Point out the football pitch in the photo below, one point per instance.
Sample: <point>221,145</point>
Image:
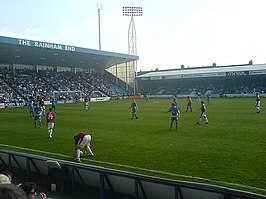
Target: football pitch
<point>229,151</point>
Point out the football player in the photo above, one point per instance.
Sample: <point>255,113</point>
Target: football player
<point>50,117</point>
<point>257,105</point>
<point>174,109</point>
<point>82,140</point>
<point>203,113</point>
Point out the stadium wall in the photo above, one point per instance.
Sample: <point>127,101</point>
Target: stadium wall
<point>114,183</point>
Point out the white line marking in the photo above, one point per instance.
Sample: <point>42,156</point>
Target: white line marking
<point>138,168</point>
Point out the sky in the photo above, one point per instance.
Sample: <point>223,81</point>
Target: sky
<point>170,33</point>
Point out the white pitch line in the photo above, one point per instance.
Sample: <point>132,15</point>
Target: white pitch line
<point>138,168</point>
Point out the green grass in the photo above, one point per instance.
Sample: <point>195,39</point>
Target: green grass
<point>229,151</point>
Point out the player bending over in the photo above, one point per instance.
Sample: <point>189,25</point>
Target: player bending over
<point>82,140</point>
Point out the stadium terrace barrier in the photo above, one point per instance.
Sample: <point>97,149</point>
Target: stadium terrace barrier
<point>108,183</point>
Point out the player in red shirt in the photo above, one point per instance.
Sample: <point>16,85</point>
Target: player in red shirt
<point>82,140</point>
<point>42,105</point>
<point>50,117</point>
<point>86,103</point>
<point>203,113</point>
<point>257,105</point>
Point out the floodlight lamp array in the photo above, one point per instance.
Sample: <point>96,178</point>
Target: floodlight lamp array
<point>132,11</point>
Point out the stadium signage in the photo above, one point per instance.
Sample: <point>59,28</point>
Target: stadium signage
<point>38,44</point>
<point>185,76</point>
<point>98,99</point>
<point>236,73</point>
<point>257,72</point>
<point>199,75</point>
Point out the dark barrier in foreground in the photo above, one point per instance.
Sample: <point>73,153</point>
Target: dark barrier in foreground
<point>105,183</point>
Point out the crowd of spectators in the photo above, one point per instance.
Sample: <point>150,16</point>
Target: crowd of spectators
<point>215,90</point>
<point>18,85</point>
<point>24,190</point>
<point>8,95</point>
<point>247,86</point>
<point>24,83</point>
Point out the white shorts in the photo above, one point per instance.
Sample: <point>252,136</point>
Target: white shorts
<point>85,141</point>
<point>258,104</point>
<point>50,125</point>
<point>203,114</point>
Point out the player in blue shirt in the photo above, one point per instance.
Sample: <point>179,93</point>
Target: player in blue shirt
<point>38,115</point>
<point>147,97</point>
<point>31,106</point>
<point>54,102</point>
<point>175,111</point>
<point>209,98</point>
<point>134,108</point>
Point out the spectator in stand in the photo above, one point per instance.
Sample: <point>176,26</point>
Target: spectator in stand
<point>30,188</point>
<point>11,191</point>
<point>8,174</point>
<point>4,179</point>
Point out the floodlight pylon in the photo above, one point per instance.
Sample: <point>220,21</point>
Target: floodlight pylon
<point>132,33</point>
<point>132,37</point>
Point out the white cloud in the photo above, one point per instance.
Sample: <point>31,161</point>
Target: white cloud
<point>25,34</point>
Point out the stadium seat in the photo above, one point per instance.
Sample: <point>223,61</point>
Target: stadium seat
<point>57,177</point>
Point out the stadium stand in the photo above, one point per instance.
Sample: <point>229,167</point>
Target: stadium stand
<point>220,81</point>
<point>20,84</point>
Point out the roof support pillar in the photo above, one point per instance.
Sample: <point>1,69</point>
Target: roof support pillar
<point>116,79</point>
<point>126,77</point>
<point>36,68</point>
